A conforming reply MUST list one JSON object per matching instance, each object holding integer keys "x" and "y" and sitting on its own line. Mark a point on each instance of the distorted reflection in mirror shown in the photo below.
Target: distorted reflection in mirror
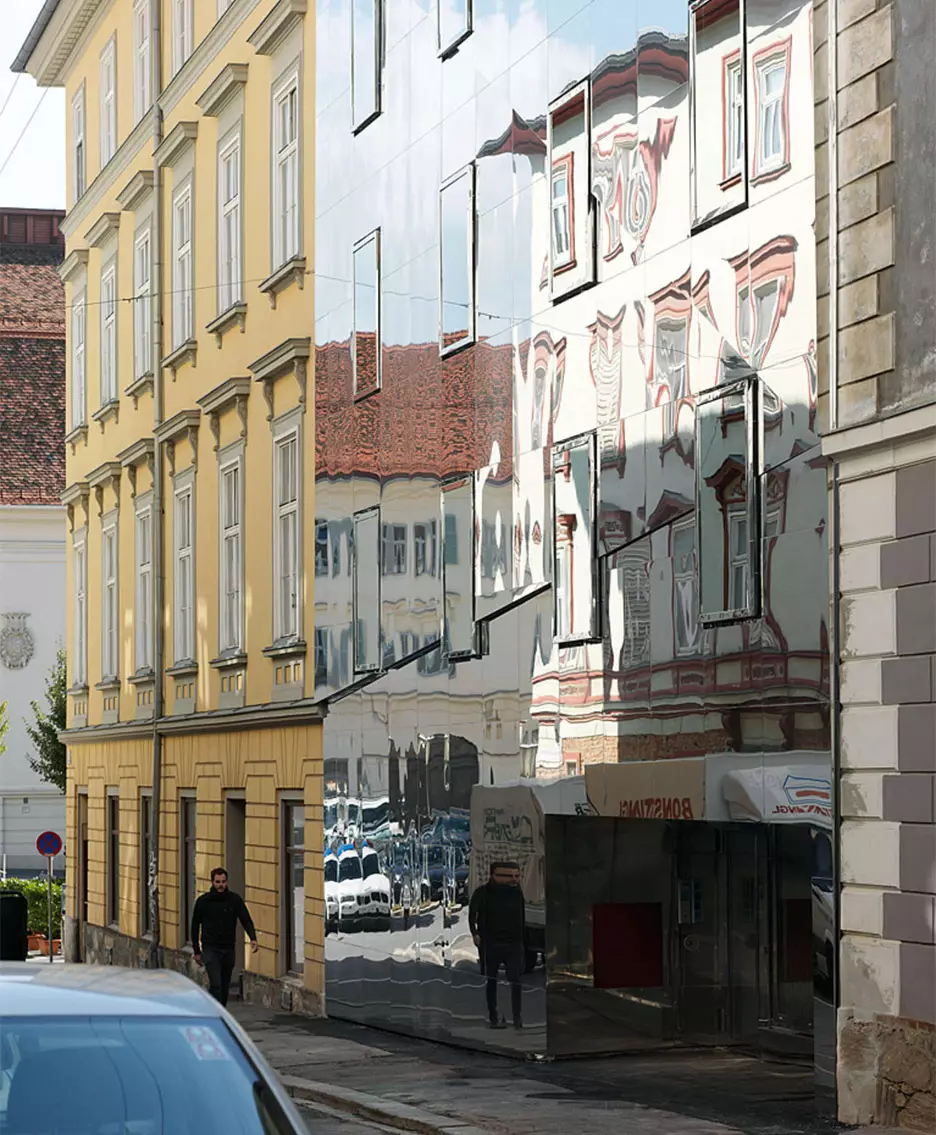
{"x": 367, "y": 344}
{"x": 726, "y": 503}
{"x": 574, "y": 575}
{"x": 572, "y": 255}
{"x": 455, "y": 23}
{"x": 457, "y": 261}
{"x": 458, "y": 634}
{"x": 367, "y": 59}
{"x": 367, "y": 590}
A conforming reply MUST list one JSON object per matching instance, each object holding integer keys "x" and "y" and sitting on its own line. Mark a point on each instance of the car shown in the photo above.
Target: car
{"x": 350, "y": 888}
{"x": 91, "y": 1050}
{"x": 331, "y": 890}
{"x": 375, "y": 889}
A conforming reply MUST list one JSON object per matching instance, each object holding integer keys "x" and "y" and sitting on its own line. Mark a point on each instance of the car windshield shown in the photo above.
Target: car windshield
{"x": 133, "y": 1075}
{"x": 331, "y": 870}
{"x": 349, "y": 868}
{"x": 371, "y": 866}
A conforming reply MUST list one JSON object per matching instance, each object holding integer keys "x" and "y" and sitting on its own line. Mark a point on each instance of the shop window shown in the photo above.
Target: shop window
{"x": 458, "y": 566}
{"x": 367, "y": 360}
{"x": 717, "y": 108}
{"x": 366, "y": 61}
{"x": 367, "y": 655}
{"x": 574, "y": 578}
{"x": 572, "y": 213}
{"x": 457, "y": 261}
{"x": 455, "y": 22}
{"x": 726, "y": 513}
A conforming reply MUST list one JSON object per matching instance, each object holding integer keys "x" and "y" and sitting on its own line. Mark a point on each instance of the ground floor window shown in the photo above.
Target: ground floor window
{"x": 294, "y": 885}
{"x": 188, "y": 871}
{"x": 113, "y": 860}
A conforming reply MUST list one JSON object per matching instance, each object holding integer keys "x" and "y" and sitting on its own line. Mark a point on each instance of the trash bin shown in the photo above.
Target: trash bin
{"x": 13, "y": 926}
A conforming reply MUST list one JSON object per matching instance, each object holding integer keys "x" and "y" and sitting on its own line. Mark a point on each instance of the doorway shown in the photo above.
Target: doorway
{"x": 235, "y": 842}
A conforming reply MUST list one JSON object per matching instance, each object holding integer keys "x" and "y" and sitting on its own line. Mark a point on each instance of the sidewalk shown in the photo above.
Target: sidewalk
{"x": 415, "y": 1085}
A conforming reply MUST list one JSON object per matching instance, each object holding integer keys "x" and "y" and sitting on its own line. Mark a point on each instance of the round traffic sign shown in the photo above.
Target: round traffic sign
{"x": 49, "y": 844}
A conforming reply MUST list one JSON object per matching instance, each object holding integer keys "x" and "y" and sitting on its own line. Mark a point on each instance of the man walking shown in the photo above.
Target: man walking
{"x": 496, "y": 917}
{"x": 214, "y": 929}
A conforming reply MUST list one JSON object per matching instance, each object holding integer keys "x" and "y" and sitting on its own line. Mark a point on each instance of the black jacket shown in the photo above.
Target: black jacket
{"x": 214, "y": 920}
{"x": 497, "y": 913}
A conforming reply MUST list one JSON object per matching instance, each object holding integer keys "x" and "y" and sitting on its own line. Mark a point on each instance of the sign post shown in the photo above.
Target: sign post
{"x": 49, "y": 844}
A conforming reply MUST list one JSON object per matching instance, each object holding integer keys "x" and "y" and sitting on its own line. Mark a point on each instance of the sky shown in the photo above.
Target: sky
{"x": 32, "y": 175}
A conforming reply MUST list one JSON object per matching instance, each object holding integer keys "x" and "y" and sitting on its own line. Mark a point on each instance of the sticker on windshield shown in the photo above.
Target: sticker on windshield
{"x": 204, "y": 1043}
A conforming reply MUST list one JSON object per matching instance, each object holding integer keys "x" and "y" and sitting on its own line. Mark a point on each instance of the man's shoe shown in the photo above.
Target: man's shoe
{"x": 497, "y": 1023}
{"x": 518, "y": 1024}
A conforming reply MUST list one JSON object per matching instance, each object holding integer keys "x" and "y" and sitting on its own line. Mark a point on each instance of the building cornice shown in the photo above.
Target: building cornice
{"x": 222, "y": 89}
{"x": 127, "y": 152}
{"x": 73, "y": 263}
{"x": 289, "y": 357}
{"x": 55, "y": 34}
{"x": 186, "y": 424}
{"x": 274, "y": 28}
{"x": 231, "y": 394}
{"x": 137, "y": 189}
{"x": 176, "y": 142}
{"x": 885, "y": 434}
{"x": 102, "y": 228}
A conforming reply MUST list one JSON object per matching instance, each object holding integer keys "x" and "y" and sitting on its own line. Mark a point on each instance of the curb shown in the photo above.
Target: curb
{"x": 386, "y": 1112}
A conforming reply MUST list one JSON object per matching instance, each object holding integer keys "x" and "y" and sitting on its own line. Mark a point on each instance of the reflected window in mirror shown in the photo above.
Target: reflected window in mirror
{"x": 718, "y": 108}
{"x": 572, "y": 253}
{"x": 685, "y": 589}
{"x": 367, "y": 61}
{"x": 321, "y": 656}
{"x": 455, "y": 23}
{"x": 424, "y": 548}
{"x": 321, "y": 547}
{"x": 367, "y": 590}
{"x": 457, "y": 315}
{"x": 771, "y": 68}
{"x": 726, "y": 504}
{"x": 574, "y": 574}
{"x": 458, "y": 631}
{"x": 393, "y": 549}
{"x": 366, "y": 347}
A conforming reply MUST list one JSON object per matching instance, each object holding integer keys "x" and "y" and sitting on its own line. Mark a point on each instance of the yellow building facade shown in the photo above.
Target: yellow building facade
{"x": 190, "y": 449}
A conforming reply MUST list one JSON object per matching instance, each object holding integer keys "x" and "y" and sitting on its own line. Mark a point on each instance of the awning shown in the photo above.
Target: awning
{"x": 785, "y": 794}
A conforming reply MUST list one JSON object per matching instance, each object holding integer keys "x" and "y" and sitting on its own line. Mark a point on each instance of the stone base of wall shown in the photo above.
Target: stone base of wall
{"x": 285, "y": 994}
{"x": 887, "y": 1072}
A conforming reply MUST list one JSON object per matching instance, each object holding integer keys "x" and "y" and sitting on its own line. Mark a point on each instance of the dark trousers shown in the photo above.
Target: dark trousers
{"x": 219, "y": 965}
{"x": 510, "y": 956}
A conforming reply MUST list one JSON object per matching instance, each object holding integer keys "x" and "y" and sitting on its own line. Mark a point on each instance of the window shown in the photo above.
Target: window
{"x": 229, "y": 235}
{"x": 717, "y": 99}
{"x": 756, "y": 319}
{"x": 321, "y": 656}
{"x": 113, "y": 860}
{"x": 183, "y": 316}
{"x": 142, "y": 362}
{"x": 146, "y": 850}
{"x": 574, "y": 589}
{"x": 670, "y": 361}
{"x": 457, "y": 269}
{"x": 366, "y": 61}
{"x": 80, "y": 611}
{"x": 142, "y": 68}
{"x": 321, "y": 547}
{"x": 109, "y": 335}
{"x": 78, "y": 400}
{"x": 367, "y": 352}
{"x": 772, "y": 154}
{"x": 393, "y": 549}
{"x": 231, "y": 558}
{"x": 184, "y": 583}
{"x": 79, "y": 145}
{"x": 188, "y": 881}
{"x": 286, "y": 536}
{"x": 571, "y": 217}
{"x": 458, "y": 566}
{"x": 685, "y": 593}
{"x": 725, "y": 504}
{"x": 143, "y": 614}
{"x": 109, "y": 619}
{"x": 366, "y": 590}
{"x": 108, "y": 103}
{"x": 294, "y": 890}
{"x": 286, "y": 172}
{"x": 455, "y": 19}
{"x": 424, "y": 548}
{"x": 181, "y": 33}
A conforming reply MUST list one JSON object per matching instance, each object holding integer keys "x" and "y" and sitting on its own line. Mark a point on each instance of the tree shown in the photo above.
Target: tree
{"x": 4, "y": 725}
{"x": 49, "y": 759}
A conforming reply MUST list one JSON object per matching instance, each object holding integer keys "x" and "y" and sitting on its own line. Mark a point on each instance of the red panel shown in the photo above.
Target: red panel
{"x": 627, "y": 945}
{"x": 797, "y": 940}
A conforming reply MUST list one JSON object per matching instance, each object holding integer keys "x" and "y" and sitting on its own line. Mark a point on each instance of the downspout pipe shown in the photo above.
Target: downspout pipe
{"x": 156, "y": 298}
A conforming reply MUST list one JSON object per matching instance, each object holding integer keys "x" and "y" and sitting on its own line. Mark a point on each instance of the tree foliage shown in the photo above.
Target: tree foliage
{"x": 4, "y": 725}
{"x": 48, "y": 760}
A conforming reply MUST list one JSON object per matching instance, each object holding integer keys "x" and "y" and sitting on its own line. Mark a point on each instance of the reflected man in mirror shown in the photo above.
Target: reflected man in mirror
{"x": 496, "y": 916}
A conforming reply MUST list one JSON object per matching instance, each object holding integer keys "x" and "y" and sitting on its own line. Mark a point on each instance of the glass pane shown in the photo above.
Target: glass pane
{"x": 453, "y": 21}
{"x": 718, "y": 170}
{"x": 573, "y": 480}
{"x": 458, "y": 527}
{"x": 457, "y": 261}
{"x": 366, "y": 317}
{"x": 367, "y": 590}
{"x": 365, "y": 92}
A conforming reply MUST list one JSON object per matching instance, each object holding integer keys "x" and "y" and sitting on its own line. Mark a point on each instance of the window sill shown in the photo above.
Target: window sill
{"x": 185, "y": 669}
{"x": 107, "y": 411}
{"x": 293, "y": 270}
{"x": 731, "y": 181}
{"x": 235, "y": 314}
{"x": 108, "y": 684}
{"x": 78, "y": 434}
{"x": 77, "y": 692}
{"x": 229, "y": 660}
{"x": 142, "y": 677}
{"x": 184, "y": 353}
{"x": 292, "y": 648}
{"x": 140, "y": 386}
{"x": 770, "y": 174}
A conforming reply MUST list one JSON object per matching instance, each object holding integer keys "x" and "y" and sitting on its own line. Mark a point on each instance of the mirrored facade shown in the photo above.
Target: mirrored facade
{"x": 571, "y": 566}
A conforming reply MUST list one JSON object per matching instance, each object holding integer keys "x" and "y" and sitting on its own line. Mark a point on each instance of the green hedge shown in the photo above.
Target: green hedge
{"x": 37, "y": 896}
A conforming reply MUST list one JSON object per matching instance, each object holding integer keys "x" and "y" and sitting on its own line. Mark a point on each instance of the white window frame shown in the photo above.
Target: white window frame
{"x": 230, "y": 265}
{"x": 109, "y": 333}
{"x": 767, "y": 104}
{"x": 80, "y": 608}
{"x": 376, "y": 50}
{"x": 287, "y": 172}
{"x": 142, "y": 282}
{"x": 110, "y": 597}
{"x": 108, "y": 75}
{"x": 79, "y": 144}
{"x": 576, "y": 266}
{"x": 448, "y": 45}
{"x": 142, "y": 59}
{"x": 183, "y": 252}
{"x": 183, "y": 590}
{"x": 561, "y": 207}
{"x": 451, "y": 184}
{"x": 79, "y": 337}
{"x": 143, "y": 584}
{"x": 734, "y": 115}
{"x": 231, "y": 527}
{"x": 738, "y": 561}
{"x": 182, "y": 33}
{"x": 287, "y": 564}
